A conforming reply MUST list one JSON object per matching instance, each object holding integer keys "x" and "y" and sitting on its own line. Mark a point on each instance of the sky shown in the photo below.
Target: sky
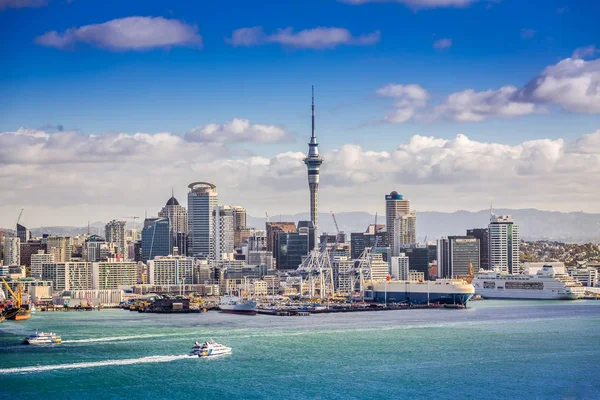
{"x": 107, "y": 106}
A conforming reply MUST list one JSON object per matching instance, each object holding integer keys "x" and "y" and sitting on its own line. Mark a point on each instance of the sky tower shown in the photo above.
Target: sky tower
{"x": 313, "y": 163}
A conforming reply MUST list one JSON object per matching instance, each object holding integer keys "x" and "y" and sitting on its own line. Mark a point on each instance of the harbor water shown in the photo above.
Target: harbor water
{"x": 491, "y": 350}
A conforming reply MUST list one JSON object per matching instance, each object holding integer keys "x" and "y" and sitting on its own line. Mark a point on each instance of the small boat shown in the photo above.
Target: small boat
{"x": 209, "y": 349}
{"x": 43, "y": 338}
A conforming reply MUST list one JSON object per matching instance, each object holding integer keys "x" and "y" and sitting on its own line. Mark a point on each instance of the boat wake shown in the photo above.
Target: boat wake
{"x": 93, "y": 364}
{"x": 115, "y": 338}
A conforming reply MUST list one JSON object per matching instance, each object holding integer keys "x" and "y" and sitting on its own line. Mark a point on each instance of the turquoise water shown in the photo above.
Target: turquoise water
{"x": 493, "y": 350}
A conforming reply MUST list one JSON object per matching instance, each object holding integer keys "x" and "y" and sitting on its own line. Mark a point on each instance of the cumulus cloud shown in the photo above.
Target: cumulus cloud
{"x": 131, "y": 33}
{"x": 238, "y": 130}
{"x": 527, "y": 33}
{"x": 4, "y": 4}
{"x": 471, "y": 106}
{"x": 573, "y": 84}
{"x": 63, "y": 176}
{"x": 407, "y": 99}
{"x": 444, "y": 43}
{"x": 318, "y": 38}
{"x": 464, "y": 106}
{"x": 418, "y": 3}
{"x": 584, "y": 52}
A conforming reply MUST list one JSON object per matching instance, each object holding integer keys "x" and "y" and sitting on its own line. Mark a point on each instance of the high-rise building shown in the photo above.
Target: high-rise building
{"x": 115, "y": 233}
{"x": 504, "y": 242}
{"x": 28, "y": 249}
{"x": 156, "y": 238}
{"x": 456, "y": 255}
{"x": 171, "y": 270}
{"x": 400, "y": 267}
{"x": 69, "y": 275}
{"x": 483, "y": 235}
{"x": 114, "y": 274}
{"x": 359, "y": 241}
{"x": 23, "y": 233}
{"x": 94, "y": 248}
{"x": 202, "y": 199}
{"x": 60, "y": 246}
{"x": 37, "y": 260}
{"x": 420, "y": 256}
{"x": 395, "y": 206}
{"x": 291, "y": 247}
{"x": 313, "y": 163}
{"x": 273, "y": 229}
{"x": 178, "y": 219}
{"x": 308, "y": 228}
{"x": 404, "y": 232}
{"x": 12, "y": 251}
{"x": 223, "y": 233}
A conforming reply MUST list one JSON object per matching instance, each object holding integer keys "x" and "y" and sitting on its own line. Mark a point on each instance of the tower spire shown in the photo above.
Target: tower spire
{"x": 313, "y": 112}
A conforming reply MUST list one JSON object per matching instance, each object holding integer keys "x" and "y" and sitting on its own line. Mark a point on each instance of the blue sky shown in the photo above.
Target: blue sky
{"x": 96, "y": 89}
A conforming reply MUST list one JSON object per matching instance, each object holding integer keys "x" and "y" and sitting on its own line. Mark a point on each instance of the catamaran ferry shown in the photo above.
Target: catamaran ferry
{"x": 43, "y": 338}
{"x": 209, "y": 349}
{"x": 548, "y": 283}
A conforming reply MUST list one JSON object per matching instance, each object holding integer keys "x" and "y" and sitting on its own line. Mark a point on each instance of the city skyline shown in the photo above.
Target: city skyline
{"x": 125, "y": 110}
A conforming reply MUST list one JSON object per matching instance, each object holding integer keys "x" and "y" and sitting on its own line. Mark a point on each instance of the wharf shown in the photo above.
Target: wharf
{"x": 63, "y": 308}
{"x": 329, "y": 310}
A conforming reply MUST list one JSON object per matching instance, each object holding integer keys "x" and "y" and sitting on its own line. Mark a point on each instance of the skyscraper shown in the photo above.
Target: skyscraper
{"x": 456, "y": 254}
{"x": 178, "y": 220}
{"x": 12, "y": 251}
{"x": 395, "y": 206}
{"x": 156, "y": 238}
{"x": 202, "y": 199}
{"x": 115, "y": 233}
{"x": 313, "y": 162}
{"x": 504, "y": 242}
{"x": 483, "y": 235}
{"x": 223, "y": 232}
{"x": 23, "y": 233}
{"x": 404, "y": 233}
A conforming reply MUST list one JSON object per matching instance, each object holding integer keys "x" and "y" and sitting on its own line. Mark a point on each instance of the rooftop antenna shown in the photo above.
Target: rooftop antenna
{"x": 172, "y": 192}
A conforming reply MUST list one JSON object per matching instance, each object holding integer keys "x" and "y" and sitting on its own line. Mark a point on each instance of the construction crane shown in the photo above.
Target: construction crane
{"x": 267, "y": 215}
{"x": 337, "y": 228}
{"x": 16, "y": 296}
{"x": 132, "y": 218}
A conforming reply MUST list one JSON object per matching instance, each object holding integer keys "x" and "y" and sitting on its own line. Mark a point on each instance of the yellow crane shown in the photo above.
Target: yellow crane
{"x": 16, "y": 296}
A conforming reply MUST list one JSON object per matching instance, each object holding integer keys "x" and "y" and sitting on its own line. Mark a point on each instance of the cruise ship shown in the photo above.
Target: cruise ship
{"x": 234, "y": 305}
{"x": 547, "y": 283}
{"x": 442, "y": 291}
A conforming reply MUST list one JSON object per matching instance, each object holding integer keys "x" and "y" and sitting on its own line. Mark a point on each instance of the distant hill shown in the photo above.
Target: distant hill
{"x": 574, "y": 227}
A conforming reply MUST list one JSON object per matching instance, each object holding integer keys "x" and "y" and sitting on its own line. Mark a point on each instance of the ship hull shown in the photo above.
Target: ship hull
{"x": 237, "y": 310}
{"x": 506, "y": 295}
{"x": 423, "y": 298}
{"x": 17, "y": 315}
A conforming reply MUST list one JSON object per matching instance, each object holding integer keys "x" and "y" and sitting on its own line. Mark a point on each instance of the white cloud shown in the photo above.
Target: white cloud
{"x": 471, "y": 106}
{"x": 70, "y": 178}
{"x": 238, "y": 130}
{"x": 131, "y": 33}
{"x": 4, "y": 4}
{"x": 464, "y": 106}
{"x": 408, "y": 98}
{"x": 584, "y": 52}
{"x": 444, "y": 43}
{"x": 527, "y": 33}
{"x": 318, "y": 38}
{"x": 573, "y": 84}
{"x": 418, "y": 3}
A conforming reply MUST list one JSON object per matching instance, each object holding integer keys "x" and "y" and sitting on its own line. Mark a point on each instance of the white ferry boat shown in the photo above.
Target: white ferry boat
{"x": 548, "y": 283}
{"x": 43, "y": 338}
{"x": 442, "y": 291}
{"x": 235, "y": 305}
{"x": 209, "y": 349}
